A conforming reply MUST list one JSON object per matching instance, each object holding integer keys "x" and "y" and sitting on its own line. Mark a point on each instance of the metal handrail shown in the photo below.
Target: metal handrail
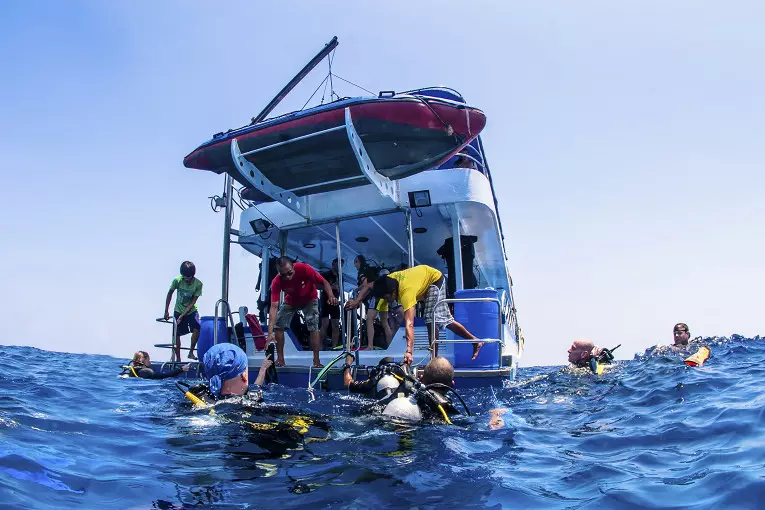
{"x": 174, "y": 363}
{"x": 171, "y": 346}
{"x": 215, "y": 320}
{"x": 433, "y": 339}
{"x": 172, "y": 342}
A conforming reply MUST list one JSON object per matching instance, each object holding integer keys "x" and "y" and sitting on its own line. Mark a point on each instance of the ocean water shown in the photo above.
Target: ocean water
{"x": 649, "y": 433}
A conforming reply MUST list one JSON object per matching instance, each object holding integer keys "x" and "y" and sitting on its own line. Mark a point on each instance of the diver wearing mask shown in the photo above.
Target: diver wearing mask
{"x": 140, "y": 367}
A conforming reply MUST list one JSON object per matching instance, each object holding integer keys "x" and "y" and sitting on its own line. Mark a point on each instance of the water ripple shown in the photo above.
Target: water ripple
{"x": 649, "y": 433}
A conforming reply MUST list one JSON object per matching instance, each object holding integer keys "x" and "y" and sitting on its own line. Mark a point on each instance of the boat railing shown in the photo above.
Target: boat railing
{"x": 499, "y": 338}
{"x": 229, "y": 315}
{"x": 172, "y": 339}
{"x": 174, "y": 364}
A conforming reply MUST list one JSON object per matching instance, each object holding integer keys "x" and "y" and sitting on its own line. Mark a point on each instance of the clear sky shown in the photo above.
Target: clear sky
{"x": 625, "y": 140}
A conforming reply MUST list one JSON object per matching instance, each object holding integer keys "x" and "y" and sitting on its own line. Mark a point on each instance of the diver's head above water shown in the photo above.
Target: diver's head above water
{"x": 438, "y": 370}
{"x": 225, "y": 365}
{"x": 580, "y": 351}
{"x": 141, "y": 358}
{"x": 681, "y": 333}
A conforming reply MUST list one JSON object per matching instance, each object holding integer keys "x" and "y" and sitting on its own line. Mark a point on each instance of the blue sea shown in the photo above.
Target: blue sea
{"x": 648, "y": 433}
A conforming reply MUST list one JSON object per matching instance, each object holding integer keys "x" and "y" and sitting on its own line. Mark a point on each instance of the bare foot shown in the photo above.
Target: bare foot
{"x": 191, "y": 355}
{"x": 317, "y": 365}
{"x": 280, "y": 363}
{"x": 476, "y": 349}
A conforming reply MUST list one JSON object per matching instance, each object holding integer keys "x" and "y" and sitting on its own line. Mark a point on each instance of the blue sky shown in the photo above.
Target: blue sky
{"x": 624, "y": 140}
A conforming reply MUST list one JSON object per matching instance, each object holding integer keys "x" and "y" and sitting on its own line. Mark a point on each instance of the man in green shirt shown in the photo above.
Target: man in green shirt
{"x": 185, "y": 312}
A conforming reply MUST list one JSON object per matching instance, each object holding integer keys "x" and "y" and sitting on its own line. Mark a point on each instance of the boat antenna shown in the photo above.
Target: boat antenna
{"x": 331, "y": 45}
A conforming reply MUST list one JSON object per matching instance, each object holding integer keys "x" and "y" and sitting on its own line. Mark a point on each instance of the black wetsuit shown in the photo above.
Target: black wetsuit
{"x": 145, "y": 372}
{"x": 202, "y": 391}
{"x": 427, "y": 406}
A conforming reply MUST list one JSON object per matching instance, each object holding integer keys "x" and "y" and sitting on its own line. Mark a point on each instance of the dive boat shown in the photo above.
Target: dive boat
{"x": 396, "y": 178}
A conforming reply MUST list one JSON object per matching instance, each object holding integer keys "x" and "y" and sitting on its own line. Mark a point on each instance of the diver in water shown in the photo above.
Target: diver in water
{"x": 140, "y": 366}
{"x": 272, "y": 428}
{"x": 225, "y": 366}
{"x": 585, "y": 354}
{"x": 682, "y": 337}
{"x": 680, "y": 333}
{"x": 401, "y": 395}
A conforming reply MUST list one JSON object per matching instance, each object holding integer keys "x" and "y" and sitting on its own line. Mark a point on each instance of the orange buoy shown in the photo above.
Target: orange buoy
{"x": 698, "y": 358}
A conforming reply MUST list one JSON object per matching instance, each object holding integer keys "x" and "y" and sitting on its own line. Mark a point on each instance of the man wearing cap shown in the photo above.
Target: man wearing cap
{"x": 225, "y": 365}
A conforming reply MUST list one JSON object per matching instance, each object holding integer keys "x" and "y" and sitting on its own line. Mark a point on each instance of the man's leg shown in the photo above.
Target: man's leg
{"x": 371, "y": 314}
{"x": 311, "y": 313}
{"x": 279, "y": 334}
{"x": 194, "y": 338}
{"x": 177, "y": 347}
{"x": 460, "y": 330}
{"x": 193, "y": 321}
{"x": 315, "y": 344}
{"x": 335, "y": 332}
{"x": 323, "y": 329}
{"x": 283, "y": 320}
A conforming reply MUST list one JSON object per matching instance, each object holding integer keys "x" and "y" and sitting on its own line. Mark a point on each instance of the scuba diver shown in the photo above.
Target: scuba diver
{"x": 401, "y": 395}
{"x": 274, "y": 429}
{"x": 225, "y": 367}
{"x": 585, "y": 354}
{"x": 140, "y": 367}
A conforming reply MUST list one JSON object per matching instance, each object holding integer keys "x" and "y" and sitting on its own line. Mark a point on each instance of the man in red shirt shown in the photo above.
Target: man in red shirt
{"x": 298, "y": 281}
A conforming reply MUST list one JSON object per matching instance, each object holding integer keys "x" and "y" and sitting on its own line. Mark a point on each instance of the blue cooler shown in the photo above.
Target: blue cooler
{"x": 207, "y": 334}
{"x": 482, "y": 320}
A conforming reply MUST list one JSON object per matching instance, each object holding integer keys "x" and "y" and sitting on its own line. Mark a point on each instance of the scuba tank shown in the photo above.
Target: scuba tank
{"x": 412, "y": 396}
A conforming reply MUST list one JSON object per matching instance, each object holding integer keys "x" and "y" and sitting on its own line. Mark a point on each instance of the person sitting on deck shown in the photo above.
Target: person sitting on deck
{"x": 185, "y": 312}
{"x": 140, "y": 366}
{"x": 331, "y": 312}
{"x": 420, "y": 283}
{"x": 298, "y": 281}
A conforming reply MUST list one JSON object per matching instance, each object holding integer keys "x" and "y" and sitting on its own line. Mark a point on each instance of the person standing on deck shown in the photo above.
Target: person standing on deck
{"x": 328, "y": 311}
{"x": 186, "y": 315}
{"x": 298, "y": 281}
{"x": 419, "y": 283}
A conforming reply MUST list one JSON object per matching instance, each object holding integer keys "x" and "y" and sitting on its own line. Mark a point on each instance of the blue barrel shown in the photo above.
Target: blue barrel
{"x": 481, "y": 319}
{"x": 206, "y": 334}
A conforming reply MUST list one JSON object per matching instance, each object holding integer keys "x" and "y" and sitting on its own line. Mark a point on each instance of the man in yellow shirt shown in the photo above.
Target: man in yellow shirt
{"x": 419, "y": 283}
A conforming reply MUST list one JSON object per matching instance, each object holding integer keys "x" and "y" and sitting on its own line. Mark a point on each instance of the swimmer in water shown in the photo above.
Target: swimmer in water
{"x": 681, "y": 334}
{"x": 140, "y": 367}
